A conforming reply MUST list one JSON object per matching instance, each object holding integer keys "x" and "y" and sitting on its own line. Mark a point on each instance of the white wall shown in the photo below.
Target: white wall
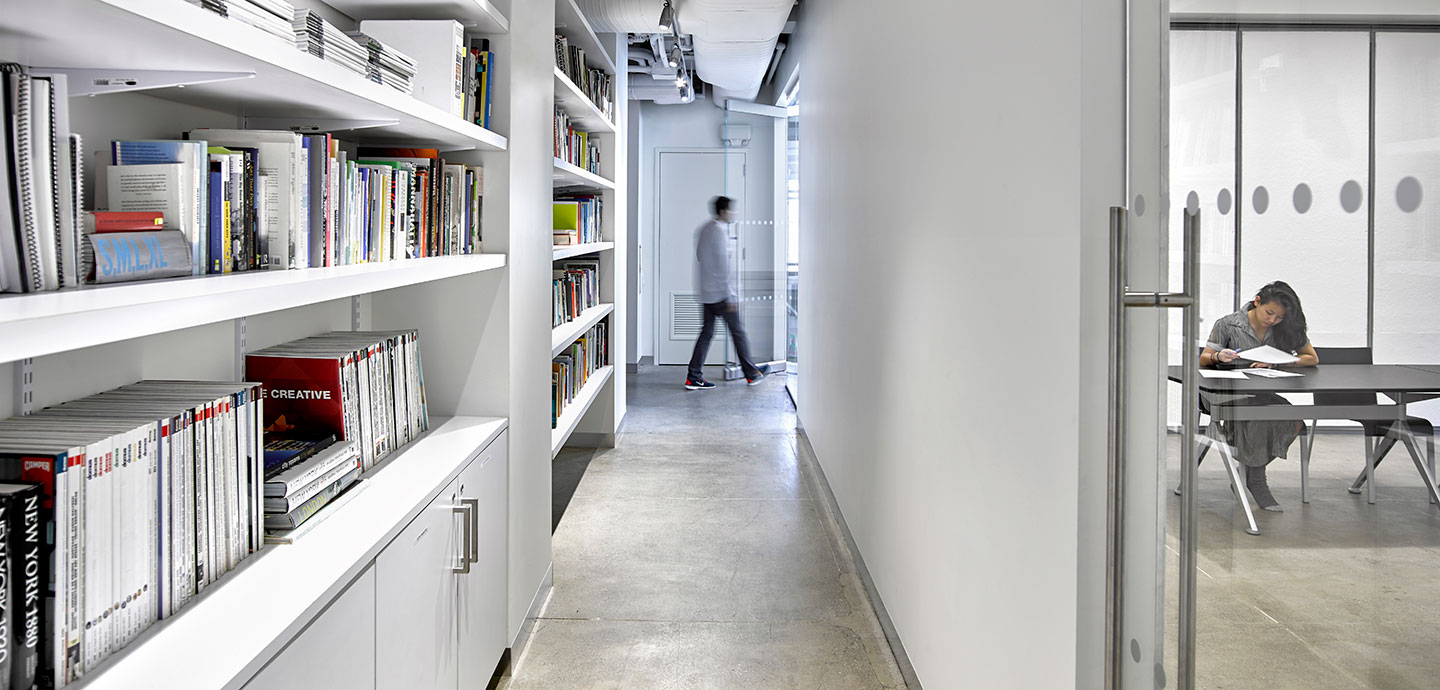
{"x": 948, "y": 325}
{"x": 694, "y": 126}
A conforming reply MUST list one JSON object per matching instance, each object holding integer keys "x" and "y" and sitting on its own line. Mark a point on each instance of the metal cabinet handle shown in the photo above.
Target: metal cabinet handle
{"x": 473, "y": 541}
{"x": 468, "y": 511}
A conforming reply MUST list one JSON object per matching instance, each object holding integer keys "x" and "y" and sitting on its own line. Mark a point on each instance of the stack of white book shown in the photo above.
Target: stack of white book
{"x": 320, "y": 38}
{"x": 388, "y": 66}
{"x": 271, "y": 16}
{"x": 295, "y": 495}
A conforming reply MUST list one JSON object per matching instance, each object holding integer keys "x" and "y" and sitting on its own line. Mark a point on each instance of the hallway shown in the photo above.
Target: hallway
{"x": 698, "y": 553}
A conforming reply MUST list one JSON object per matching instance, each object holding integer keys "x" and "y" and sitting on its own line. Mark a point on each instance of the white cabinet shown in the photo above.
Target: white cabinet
{"x": 483, "y": 485}
{"x": 440, "y": 585}
{"x": 337, "y": 649}
{"x": 415, "y": 603}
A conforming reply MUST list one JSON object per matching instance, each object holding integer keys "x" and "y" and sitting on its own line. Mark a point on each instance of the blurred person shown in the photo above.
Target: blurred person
{"x": 717, "y": 292}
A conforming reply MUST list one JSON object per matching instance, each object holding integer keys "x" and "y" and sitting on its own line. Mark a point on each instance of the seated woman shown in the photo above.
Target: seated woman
{"x": 1275, "y": 319}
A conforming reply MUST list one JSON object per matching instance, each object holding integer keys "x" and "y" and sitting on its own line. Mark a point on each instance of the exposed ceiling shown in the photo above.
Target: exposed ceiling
{"x": 730, "y": 44}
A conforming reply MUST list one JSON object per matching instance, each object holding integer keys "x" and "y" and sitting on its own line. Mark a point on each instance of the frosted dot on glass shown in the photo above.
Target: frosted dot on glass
{"x": 1134, "y": 643}
{"x": 1139, "y": 205}
{"x": 1223, "y": 201}
{"x": 1261, "y": 200}
{"x": 1192, "y": 202}
{"x": 1351, "y": 195}
{"x": 1302, "y": 197}
{"x": 1408, "y": 194}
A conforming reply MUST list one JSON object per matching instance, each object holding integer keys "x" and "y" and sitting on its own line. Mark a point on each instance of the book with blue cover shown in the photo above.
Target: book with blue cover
{"x": 195, "y": 183}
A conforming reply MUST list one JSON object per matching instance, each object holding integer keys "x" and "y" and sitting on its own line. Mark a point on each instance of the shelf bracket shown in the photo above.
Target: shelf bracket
{"x": 93, "y": 82}
{"x": 311, "y": 125}
{"x": 240, "y": 349}
{"x": 355, "y": 313}
{"x": 24, "y": 386}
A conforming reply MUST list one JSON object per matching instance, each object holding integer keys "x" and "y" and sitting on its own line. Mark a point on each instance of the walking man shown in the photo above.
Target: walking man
{"x": 717, "y": 293}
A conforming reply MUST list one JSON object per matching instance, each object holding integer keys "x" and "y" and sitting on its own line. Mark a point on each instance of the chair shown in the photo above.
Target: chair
{"x": 1215, "y": 436}
{"x": 1378, "y": 438}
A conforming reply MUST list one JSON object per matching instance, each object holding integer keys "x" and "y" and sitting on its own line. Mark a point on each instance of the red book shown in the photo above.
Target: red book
{"x": 128, "y": 221}
{"x": 302, "y": 394}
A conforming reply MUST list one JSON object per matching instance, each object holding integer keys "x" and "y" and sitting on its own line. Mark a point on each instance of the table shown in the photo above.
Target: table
{"x": 1403, "y": 384}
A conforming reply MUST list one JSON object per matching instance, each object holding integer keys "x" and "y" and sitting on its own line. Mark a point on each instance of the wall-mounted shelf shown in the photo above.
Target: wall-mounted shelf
{"x": 582, "y": 111}
{"x": 162, "y": 34}
{"x": 48, "y": 322}
{"x": 565, "y": 425}
{"x": 561, "y": 336}
{"x": 567, "y": 175}
{"x": 568, "y": 251}
{"x": 478, "y": 16}
{"x": 570, "y": 23}
{"x": 223, "y": 638}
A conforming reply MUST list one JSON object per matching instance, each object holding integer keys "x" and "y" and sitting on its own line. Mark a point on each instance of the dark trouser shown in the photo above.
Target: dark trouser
{"x": 707, "y": 331}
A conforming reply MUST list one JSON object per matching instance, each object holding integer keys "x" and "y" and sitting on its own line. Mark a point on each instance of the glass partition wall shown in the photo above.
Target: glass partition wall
{"x": 1313, "y": 155}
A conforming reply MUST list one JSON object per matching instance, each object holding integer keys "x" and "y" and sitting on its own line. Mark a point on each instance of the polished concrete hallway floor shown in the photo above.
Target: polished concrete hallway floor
{"x": 1336, "y": 594}
{"x": 698, "y": 553}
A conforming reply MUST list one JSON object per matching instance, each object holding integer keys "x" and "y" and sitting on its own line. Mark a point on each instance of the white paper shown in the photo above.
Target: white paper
{"x": 1268, "y": 355}
{"x": 1272, "y": 373}
{"x": 1221, "y": 374}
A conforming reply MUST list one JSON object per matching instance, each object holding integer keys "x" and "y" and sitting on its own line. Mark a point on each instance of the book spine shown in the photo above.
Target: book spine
{"x": 8, "y": 587}
{"x": 29, "y": 576}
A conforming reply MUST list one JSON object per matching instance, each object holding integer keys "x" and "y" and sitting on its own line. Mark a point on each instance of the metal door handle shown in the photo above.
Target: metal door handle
{"x": 1120, "y": 299}
{"x": 467, "y": 511}
{"x": 474, "y": 540}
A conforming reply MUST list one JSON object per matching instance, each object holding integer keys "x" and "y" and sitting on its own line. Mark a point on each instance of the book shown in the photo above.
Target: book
{"x": 193, "y": 214}
{"x": 17, "y": 96}
{"x": 124, "y": 221}
{"x": 292, "y": 481}
{"x": 25, "y": 573}
{"x": 297, "y": 517}
{"x": 282, "y": 453}
{"x": 12, "y": 276}
{"x": 158, "y": 187}
{"x": 438, "y": 49}
{"x": 126, "y": 256}
{"x": 347, "y": 461}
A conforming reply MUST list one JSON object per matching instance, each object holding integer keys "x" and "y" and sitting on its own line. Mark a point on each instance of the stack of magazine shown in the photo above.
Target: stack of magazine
{"x": 271, "y": 16}
{"x": 320, "y": 38}
{"x": 151, "y": 491}
{"x": 387, "y": 65}
{"x": 308, "y": 481}
{"x": 361, "y": 386}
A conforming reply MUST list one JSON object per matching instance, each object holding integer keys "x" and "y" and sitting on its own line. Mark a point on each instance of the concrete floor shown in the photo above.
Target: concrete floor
{"x": 1334, "y": 594}
{"x": 698, "y": 554}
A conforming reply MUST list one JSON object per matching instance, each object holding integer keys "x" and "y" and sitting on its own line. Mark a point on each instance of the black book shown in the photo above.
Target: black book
{"x": 24, "y": 576}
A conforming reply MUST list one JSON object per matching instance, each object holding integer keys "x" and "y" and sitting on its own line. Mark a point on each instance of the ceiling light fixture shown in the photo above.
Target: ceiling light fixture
{"x": 680, "y": 80}
{"x": 667, "y": 17}
{"x": 675, "y": 56}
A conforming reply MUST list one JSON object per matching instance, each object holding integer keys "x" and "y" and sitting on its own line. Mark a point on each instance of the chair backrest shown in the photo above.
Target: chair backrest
{"x": 1344, "y": 355}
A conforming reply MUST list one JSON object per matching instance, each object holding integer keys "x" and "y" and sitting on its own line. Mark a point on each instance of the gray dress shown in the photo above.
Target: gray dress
{"x": 1255, "y": 443}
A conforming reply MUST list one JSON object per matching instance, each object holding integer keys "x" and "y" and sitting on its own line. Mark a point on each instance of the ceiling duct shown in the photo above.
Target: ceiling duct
{"x": 734, "y": 39}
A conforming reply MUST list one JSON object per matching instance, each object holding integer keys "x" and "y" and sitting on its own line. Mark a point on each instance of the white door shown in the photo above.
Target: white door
{"x": 415, "y": 602}
{"x": 337, "y": 649}
{"x": 687, "y": 181}
{"x": 482, "y": 485}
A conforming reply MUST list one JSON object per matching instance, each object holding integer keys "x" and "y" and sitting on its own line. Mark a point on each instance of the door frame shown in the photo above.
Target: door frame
{"x": 650, "y": 256}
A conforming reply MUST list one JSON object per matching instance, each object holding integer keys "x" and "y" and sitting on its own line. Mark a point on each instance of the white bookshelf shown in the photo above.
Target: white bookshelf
{"x": 574, "y": 250}
{"x": 65, "y": 344}
{"x": 224, "y": 637}
{"x": 576, "y": 409}
{"x": 564, "y": 334}
{"x": 595, "y": 415}
{"x": 582, "y": 111}
{"x": 478, "y": 16}
{"x": 49, "y": 322}
{"x": 571, "y": 23}
{"x": 277, "y": 81}
{"x": 567, "y": 175}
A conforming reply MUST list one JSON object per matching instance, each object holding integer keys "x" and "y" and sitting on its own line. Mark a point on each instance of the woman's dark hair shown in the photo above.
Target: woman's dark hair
{"x": 1290, "y": 333}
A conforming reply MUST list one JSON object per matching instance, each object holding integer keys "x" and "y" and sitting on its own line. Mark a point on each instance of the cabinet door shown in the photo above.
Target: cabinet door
{"x": 415, "y": 643}
{"x": 337, "y": 649}
{"x": 482, "y": 591}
